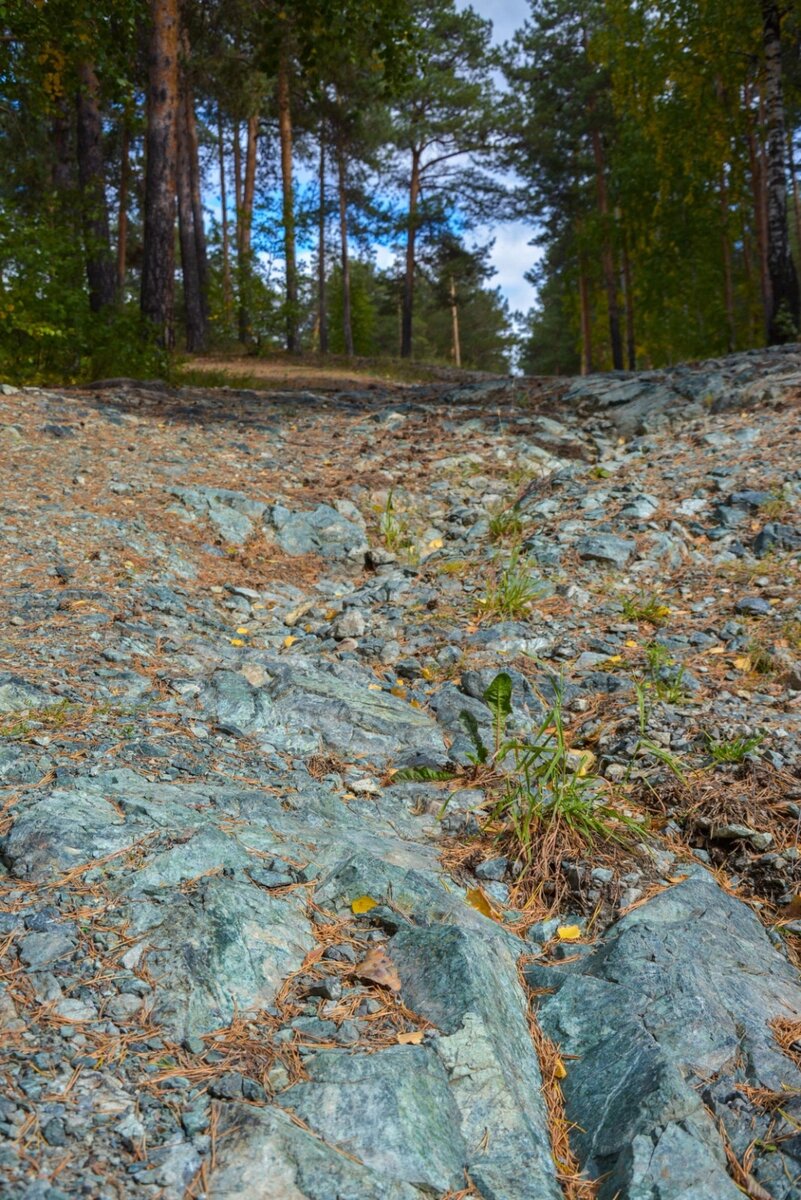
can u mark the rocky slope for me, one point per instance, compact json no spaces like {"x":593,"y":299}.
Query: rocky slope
{"x":277,"y":920}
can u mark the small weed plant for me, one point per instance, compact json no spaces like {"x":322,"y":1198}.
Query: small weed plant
{"x":505,"y":526}
{"x":646,"y":608}
{"x":733,"y":750}
{"x":513,"y":590}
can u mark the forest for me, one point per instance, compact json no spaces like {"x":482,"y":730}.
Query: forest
{"x":194,"y":176}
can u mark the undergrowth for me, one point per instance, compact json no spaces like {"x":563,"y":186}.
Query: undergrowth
{"x":512,"y":591}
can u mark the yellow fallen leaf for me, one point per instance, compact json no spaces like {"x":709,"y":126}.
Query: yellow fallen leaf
{"x":411,"y":1039}
{"x":242,"y":629}
{"x":363,"y":904}
{"x":615,"y":658}
{"x":477,"y":899}
{"x":374,"y":687}
{"x":559,"y":1070}
{"x":258,"y":606}
{"x":632,"y":644}
{"x":237,"y":642}
{"x":289,"y":640}
{"x":568,"y":933}
{"x":399,"y":690}
{"x":427,"y":673}
{"x":435,"y":544}
{"x":743,"y":663}
{"x":415,"y":703}
{"x":716,"y":650}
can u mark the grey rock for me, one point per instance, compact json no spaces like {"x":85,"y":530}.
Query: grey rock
{"x":17,"y":695}
{"x":753,"y":606}
{"x":467,"y":986}
{"x":393,"y":1109}
{"x":231,"y":513}
{"x":38,"y":949}
{"x":775,"y":536}
{"x":262,"y":1154}
{"x":323,"y":531}
{"x":649,"y":1023}
{"x":606,"y":548}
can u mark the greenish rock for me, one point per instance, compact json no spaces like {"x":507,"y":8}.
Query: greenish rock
{"x":222,"y":947}
{"x":231,"y":513}
{"x":321,"y":530}
{"x":394,"y":1110}
{"x":17,"y":695}
{"x":467,"y":985}
{"x":304,"y":706}
{"x":263,"y":1155}
{"x":650,"y":1022}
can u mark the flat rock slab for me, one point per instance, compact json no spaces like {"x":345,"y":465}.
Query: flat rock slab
{"x":681,"y":991}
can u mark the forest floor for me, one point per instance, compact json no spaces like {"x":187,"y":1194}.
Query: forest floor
{"x":313,"y":372}
{"x":402,"y":788}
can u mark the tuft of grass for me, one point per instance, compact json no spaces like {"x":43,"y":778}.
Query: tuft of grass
{"x":512,"y":591}
{"x":394,"y":528}
{"x":505,"y":526}
{"x":762,"y":658}
{"x":600,"y":473}
{"x":665,"y":676}
{"x":645,"y":608}
{"x":734,"y":750}
{"x":544,"y":793}
{"x":791,"y":632}
{"x":777,"y":506}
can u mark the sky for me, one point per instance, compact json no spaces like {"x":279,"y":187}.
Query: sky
{"x":512,"y":256}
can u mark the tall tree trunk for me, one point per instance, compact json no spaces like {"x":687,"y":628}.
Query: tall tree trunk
{"x":347,"y":326}
{"x":760,"y":224}
{"x":285,"y":134}
{"x":62,"y":161}
{"x":158,"y":263}
{"x":237,"y":147}
{"x":246,"y":232}
{"x":195,"y":182}
{"x":322,"y":311}
{"x":100,"y":271}
{"x":586,"y":318}
{"x":785,"y":301}
{"x":122,"y":203}
{"x":628,"y":294}
{"x":728,"y":276}
{"x":408,"y":282}
{"x":607,"y":252}
{"x":193,"y":305}
{"x":226,"y":250}
{"x":457,"y":345}
{"x":794,"y":183}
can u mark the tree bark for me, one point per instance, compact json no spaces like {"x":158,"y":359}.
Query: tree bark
{"x":158,"y":263}
{"x":760,"y":224}
{"x":607,"y":253}
{"x":122,"y":207}
{"x":407,"y":316}
{"x":794,"y":183}
{"x":190,"y":268}
{"x":586,"y":319}
{"x":628,"y":294}
{"x":237,"y":184}
{"x":285,"y":134}
{"x":457,"y":345}
{"x":198,"y":225}
{"x":226,"y":250}
{"x":62,"y":162}
{"x":347,"y":325}
{"x":728,"y":276}
{"x":100,"y":270}
{"x":783,"y":319}
{"x":322,"y":311}
{"x":246,"y":232}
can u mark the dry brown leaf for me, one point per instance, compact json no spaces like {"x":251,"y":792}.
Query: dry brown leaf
{"x":411,"y":1039}
{"x":378,"y":967}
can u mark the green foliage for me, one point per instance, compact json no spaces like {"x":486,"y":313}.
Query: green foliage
{"x":362,"y":307}
{"x":645,"y":608}
{"x":735,"y":750}
{"x":505,"y":526}
{"x":512,"y":592}
{"x":544,"y":792}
